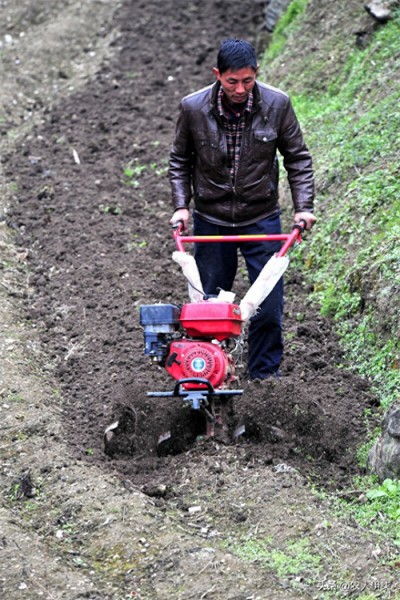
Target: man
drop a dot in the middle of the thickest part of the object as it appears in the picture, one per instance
(225, 157)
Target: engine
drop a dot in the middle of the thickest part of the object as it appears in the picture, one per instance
(193, 358)
(191, 342)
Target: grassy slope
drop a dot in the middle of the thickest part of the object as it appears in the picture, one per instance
(351, 117)
(347, 97)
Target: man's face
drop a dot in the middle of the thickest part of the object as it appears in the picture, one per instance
(237, 84)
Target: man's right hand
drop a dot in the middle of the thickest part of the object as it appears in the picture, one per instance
(183, 215)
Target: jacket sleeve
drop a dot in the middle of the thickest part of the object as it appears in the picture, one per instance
(297, 161)
(181, 161)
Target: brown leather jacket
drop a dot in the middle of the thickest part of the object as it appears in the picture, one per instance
(198, 161)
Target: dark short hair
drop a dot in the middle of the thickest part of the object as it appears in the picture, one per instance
(235, 55)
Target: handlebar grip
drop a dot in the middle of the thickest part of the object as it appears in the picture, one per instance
(178, 225)
(301, 226)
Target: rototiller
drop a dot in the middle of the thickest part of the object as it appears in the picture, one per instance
(198, 343)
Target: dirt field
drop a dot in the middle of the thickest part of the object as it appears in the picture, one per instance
(88, 103)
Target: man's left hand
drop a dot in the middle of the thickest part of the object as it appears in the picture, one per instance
(308, 217)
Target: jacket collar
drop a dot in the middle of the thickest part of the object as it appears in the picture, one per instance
(214, 95)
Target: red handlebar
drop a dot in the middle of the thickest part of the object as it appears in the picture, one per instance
(288, 238)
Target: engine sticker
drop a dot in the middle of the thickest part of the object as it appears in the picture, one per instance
(198, 364)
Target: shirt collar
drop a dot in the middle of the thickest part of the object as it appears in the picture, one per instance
(222, 110)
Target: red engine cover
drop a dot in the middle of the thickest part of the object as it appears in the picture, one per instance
(189, 358)
(218, 320)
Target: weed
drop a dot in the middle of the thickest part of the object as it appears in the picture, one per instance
(136, 243)
(132, 173)
(372, 435)
(158, 170)
(14, 493)
(297, 558)
(110, 209)
(377, 506)
(134, 170)
(131, 74)
(13, 187)
(15, 398)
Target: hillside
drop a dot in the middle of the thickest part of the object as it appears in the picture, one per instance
(345, 82)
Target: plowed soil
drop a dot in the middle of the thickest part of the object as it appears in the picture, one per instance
(90, 214)
(100, 246)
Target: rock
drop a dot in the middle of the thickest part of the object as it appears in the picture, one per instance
(276, 434)
(273, 13)
(384, 456)
(155, 490)
(381, 10)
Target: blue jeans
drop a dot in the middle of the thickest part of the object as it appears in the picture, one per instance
(217, 263)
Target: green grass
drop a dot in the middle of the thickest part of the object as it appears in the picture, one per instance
(377, 507)
(286, 25)
(298, 558)
(353, 255)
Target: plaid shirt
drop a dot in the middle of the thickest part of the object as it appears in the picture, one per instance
(233, 122)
